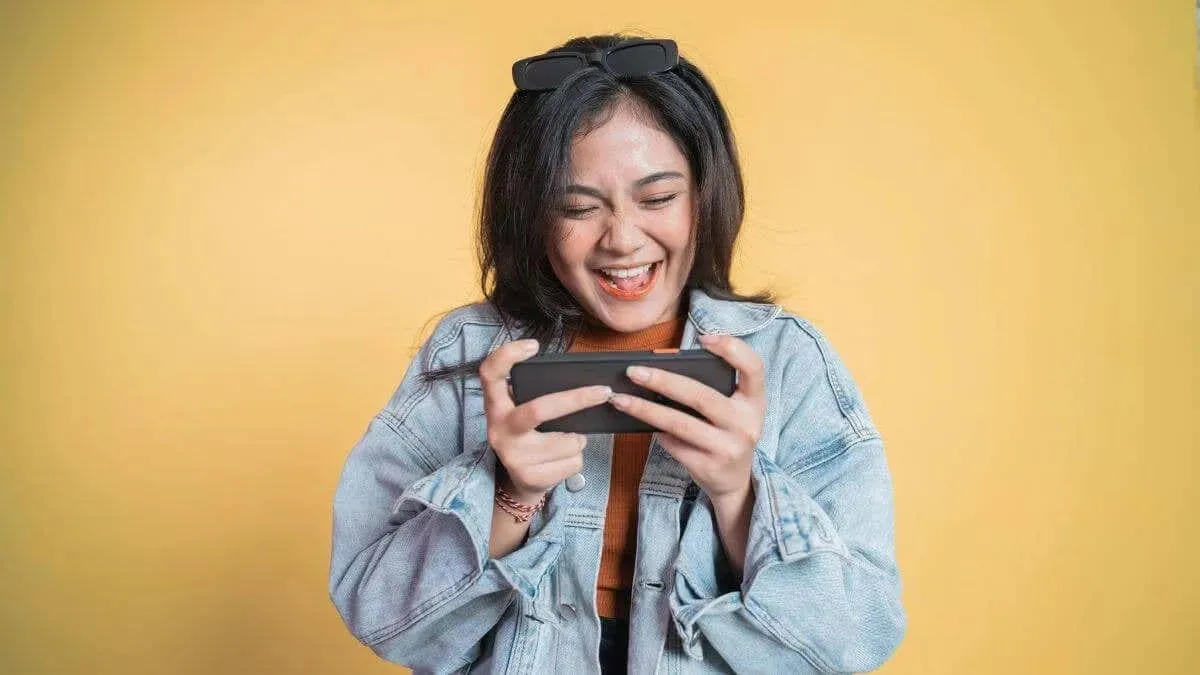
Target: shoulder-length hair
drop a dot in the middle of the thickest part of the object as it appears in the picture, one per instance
(528, 170)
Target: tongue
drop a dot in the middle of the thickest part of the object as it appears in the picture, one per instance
(630, 283)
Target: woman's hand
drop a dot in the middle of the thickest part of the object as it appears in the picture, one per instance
(716, 451)
(533, 461)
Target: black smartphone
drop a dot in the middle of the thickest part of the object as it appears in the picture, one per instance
(549, 373)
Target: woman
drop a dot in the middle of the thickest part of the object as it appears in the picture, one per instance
(756, 539)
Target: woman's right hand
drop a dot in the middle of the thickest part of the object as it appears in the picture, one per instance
(534, 461)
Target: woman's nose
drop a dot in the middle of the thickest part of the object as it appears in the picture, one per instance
(622, 235)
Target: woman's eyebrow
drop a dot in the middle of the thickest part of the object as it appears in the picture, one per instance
(661, 175)
(577, 189)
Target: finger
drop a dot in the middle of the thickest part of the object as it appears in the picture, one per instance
(550, 473)
(493, 373)
(547, 448)
(688, 428)
(689, 456)
(560, 445)
(714, 405)
(528, 415)
(743, 358)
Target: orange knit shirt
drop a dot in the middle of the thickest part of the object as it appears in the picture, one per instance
(628, 461)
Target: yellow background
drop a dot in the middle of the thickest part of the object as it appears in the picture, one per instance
(227, 225)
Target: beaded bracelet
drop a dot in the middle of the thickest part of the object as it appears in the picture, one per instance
(521, 513)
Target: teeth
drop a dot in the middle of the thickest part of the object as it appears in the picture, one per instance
(631, 272)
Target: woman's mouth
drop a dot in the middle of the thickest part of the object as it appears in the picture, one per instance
(628, 283)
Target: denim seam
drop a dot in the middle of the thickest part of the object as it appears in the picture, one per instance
(462, 664)
(781, 633)
(830, 451)
(458, 489)
(396, 627)
(845, 405)
(518, 643)
(772, 504)
(405, 408)
(663, 489)
(527, 627)
(539, 629)
(669, 494)
(389, 420)
(585, 523)
(861, 564)
(700, 319)
(454, 491)
(433, 602)
(435, 347)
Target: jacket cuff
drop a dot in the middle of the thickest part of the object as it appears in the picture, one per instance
(786, 524)
(464, 489)
(797, 525)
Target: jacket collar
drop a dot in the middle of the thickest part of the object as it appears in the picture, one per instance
(707, 316)
(728, 317)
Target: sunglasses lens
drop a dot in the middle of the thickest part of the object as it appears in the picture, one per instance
(638, 59)
(549, 72)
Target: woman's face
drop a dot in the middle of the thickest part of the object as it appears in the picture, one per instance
(622, 241)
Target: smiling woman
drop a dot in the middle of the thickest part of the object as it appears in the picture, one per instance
(753, 537)
(650, 145)
(629, 140)
(623, 243)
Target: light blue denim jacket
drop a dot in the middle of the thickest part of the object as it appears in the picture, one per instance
(411, 577)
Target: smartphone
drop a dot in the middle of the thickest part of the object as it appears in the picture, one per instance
(540, 375)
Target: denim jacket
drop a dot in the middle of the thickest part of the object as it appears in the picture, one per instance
(411, 577)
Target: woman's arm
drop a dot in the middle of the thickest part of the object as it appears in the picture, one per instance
(507, 532)
(732, 514)
(411, 573)
(819, 591)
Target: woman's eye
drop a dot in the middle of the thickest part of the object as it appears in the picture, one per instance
(654, 202)
(577, 211)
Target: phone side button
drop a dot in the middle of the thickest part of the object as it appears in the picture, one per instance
(666, 350)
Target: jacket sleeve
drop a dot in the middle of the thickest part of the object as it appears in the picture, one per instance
(821, 590)
(410, 573)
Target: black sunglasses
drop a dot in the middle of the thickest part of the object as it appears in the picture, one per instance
(628, 59)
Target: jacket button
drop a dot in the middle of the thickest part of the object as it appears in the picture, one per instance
(566, 611)
(576, 482)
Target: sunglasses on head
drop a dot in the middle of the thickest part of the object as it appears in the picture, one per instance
(628, 59)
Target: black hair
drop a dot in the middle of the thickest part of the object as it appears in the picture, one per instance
(527, 171)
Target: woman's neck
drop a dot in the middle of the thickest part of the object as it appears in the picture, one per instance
(598, 337)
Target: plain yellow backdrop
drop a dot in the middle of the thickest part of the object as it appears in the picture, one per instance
(226, 225)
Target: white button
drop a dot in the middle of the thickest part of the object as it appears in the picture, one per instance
(576, 482)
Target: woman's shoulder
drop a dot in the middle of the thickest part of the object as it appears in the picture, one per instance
(480, 312)
(461, 333)
(799, 332)
(814, 376)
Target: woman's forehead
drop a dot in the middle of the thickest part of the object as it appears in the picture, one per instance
(626, 145)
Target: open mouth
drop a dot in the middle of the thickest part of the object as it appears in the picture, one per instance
(628, 283)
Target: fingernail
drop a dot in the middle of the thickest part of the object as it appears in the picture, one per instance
(637, 373)
(582, 442)
(529, 346)
(604, 392)
(619, 400)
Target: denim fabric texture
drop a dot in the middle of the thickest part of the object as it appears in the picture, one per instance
(411, 577)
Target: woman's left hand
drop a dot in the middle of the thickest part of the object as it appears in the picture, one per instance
(716, 451)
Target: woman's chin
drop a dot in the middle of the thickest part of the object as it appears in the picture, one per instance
(629, 317)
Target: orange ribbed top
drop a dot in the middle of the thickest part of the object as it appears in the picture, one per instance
(628, 461)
